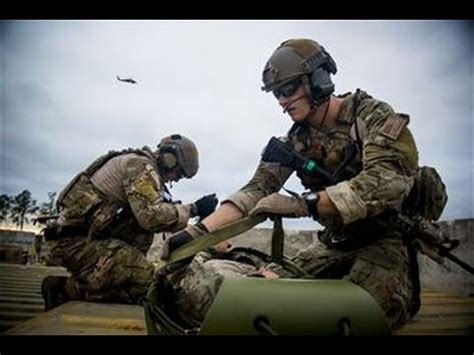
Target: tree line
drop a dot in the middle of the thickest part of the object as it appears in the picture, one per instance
(22, 208)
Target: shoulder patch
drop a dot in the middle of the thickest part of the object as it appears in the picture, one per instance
(394, 125)
(145, 184)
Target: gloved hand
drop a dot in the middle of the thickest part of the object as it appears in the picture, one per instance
(204, 206)
(281, 205)
(180, 238)
(174, 242)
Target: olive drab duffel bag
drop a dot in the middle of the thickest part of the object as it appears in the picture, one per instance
(266, 306)
(276, 307)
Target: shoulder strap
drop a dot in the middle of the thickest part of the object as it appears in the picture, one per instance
(99, 162)
(358, 129)
(209, 240)
(357, 133)
(225, 233)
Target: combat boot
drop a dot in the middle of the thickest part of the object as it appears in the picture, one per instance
(54, 291)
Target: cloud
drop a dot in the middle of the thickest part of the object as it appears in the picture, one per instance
(62, 105)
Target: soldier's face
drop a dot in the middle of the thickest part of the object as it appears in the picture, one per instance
(171, 176)
(297, 104)
(174, 174)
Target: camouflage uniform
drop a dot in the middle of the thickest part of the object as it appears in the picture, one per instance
(374, 183)
(119, 201)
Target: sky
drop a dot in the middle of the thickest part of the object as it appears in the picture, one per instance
(62, 106)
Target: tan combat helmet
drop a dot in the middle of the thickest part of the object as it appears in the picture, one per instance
(300, 58)
(184, 150)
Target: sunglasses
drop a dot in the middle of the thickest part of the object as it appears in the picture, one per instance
(288, 89)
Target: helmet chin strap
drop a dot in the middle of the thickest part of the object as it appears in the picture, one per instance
(314, 107)
(162, 169)
(321, 123)
(307, 93)
(315, 104)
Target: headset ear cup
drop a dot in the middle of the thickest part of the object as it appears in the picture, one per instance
(321, 84)
(169, 160)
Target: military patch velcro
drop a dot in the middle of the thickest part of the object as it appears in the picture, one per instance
(394, 125)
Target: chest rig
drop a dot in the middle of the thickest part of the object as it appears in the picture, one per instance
(338, 151)
(81, 203)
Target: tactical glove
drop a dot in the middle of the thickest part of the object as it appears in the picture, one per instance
(284, 206)
(204, 206)
(180, 238)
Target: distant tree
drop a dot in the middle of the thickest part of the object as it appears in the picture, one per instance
(22, 206)
(48, 208)
(5, 206)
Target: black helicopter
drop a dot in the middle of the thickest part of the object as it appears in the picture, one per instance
(129, 80)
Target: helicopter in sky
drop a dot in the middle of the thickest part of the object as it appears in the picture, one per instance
(128, 80)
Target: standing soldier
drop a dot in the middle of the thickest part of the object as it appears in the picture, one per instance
(370, 149)
(108, 215)
(38, 243)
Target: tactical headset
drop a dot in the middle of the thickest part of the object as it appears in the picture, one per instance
(167, 153)
(322, 66)
(321, 84)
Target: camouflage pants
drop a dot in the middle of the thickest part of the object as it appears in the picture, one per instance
(107, 270)
(382, 269)
(197, 287)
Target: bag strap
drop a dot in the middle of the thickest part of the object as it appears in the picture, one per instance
(203, 242)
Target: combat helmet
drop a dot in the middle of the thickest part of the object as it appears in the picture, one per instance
(183, 153)
(300, 58)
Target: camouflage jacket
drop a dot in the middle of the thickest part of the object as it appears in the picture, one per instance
(127, 180)
(378, 178)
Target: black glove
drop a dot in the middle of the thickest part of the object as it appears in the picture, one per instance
(205, 206)
(171, 244)
(174, 242)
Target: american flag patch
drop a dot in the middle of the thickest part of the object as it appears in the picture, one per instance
(394, 125)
